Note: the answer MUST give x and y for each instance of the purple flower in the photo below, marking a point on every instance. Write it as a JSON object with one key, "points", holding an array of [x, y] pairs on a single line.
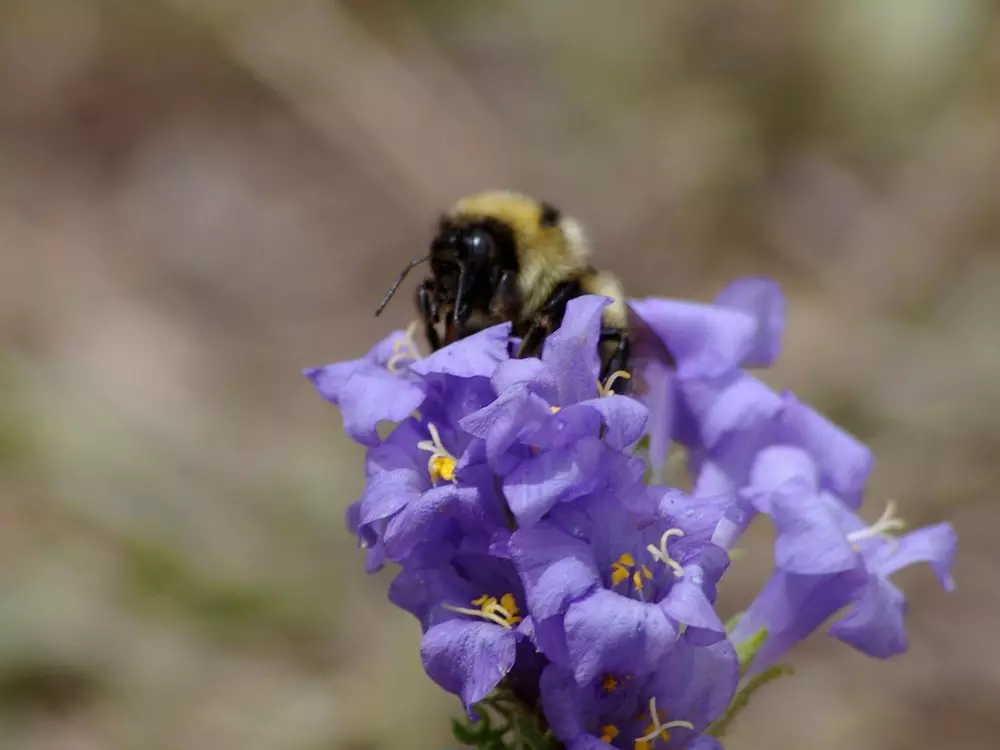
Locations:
{"points": [[730, 422], [827, 558], [392, 380], [670, 707], [475, 628], [609, 589], [418, 506], [708, 343], [554, 433]]}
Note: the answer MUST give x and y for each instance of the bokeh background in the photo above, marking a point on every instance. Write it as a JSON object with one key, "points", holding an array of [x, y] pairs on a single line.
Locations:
{"points": [[200, 197]]}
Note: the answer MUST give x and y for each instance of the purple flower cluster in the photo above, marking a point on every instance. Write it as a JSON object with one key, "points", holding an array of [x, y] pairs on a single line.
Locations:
{"points": [[513, 495]]}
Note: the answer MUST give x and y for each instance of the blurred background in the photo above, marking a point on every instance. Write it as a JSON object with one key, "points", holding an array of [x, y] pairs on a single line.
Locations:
{"points": [[198, 198]]}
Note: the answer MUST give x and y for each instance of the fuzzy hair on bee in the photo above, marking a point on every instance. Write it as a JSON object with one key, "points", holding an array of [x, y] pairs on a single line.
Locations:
{"points": [[501, 256]]}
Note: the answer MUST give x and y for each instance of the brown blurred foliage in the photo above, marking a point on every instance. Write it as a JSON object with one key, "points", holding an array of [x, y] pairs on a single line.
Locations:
{"points": [[200, 197]]}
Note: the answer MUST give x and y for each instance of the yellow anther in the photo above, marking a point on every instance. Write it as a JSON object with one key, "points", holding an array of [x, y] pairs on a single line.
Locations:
{"points": [[610, 683], [886, 523], [441, 464], [637, 579], [657, 730], [442, 467], [509, 604], [405, 349], [608, 733], [627, 559], [502, 613], [605, 389], [554, 409], [660, 553], [647, 572], [619, 573]]}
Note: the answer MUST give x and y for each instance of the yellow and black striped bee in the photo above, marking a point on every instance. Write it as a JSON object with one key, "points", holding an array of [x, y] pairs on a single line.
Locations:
{"points": [[502, 256]]}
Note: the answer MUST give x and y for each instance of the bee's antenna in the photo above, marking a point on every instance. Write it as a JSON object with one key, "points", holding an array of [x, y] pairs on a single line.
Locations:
{"points": [[395, 286]]}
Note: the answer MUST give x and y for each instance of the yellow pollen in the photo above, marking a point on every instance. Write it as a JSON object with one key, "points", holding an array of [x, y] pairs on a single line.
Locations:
{"points": [[441, 464], [624, 568], [619, 573], [610, 683], [605, 389], [502, 613], [608, 733], [554, 409], [442, 467]]}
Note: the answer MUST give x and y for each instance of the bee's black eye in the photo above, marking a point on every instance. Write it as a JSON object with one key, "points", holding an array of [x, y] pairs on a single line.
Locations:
{"points": [[478, 244]]}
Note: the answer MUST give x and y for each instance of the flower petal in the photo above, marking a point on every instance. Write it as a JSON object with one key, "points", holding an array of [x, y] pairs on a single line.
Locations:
{"points": [[606, 632], [809, 541], [563, 702], [781, 468], [555, 568], [687, 604], [791, 607], [706, 340], [874, 625], [530, 372], [468, 658], [515, 412], [935, 545], [624, 419], [562, 474], [476, 355], [393, 481], [472, 509], [367, 394], [571, 352], [762, 299], [697, 683], [843, 461]]}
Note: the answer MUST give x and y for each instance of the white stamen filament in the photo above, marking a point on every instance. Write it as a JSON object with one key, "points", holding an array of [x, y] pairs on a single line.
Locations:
{"points": [[492, 611], [488, 614], [660, 553], [404, 349], [886, 522], [605, 389], [658, 728]]}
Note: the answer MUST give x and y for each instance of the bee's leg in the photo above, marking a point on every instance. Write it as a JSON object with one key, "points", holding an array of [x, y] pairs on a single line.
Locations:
{"points": [[427, 306], [506, 302], [549, 318], [531, 342], [619, 359]]}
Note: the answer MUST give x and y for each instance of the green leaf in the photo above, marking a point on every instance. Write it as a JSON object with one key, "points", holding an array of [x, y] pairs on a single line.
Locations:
{"points": [[742, 698], [520, 728]]}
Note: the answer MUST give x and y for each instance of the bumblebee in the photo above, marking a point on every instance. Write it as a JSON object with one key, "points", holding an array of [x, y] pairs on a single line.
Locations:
{"points": [[501, 256]]}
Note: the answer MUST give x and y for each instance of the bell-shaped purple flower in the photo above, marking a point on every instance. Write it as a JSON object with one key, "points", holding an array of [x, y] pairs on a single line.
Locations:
{"points": [[418, 505], [476, 630], [827, 558], [609, 589], [707, 345], [392, 380], [554, 433], [668, 708]]}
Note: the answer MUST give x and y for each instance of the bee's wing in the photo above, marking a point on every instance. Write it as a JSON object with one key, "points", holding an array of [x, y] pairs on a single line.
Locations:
{"points": [[653, 368]]}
